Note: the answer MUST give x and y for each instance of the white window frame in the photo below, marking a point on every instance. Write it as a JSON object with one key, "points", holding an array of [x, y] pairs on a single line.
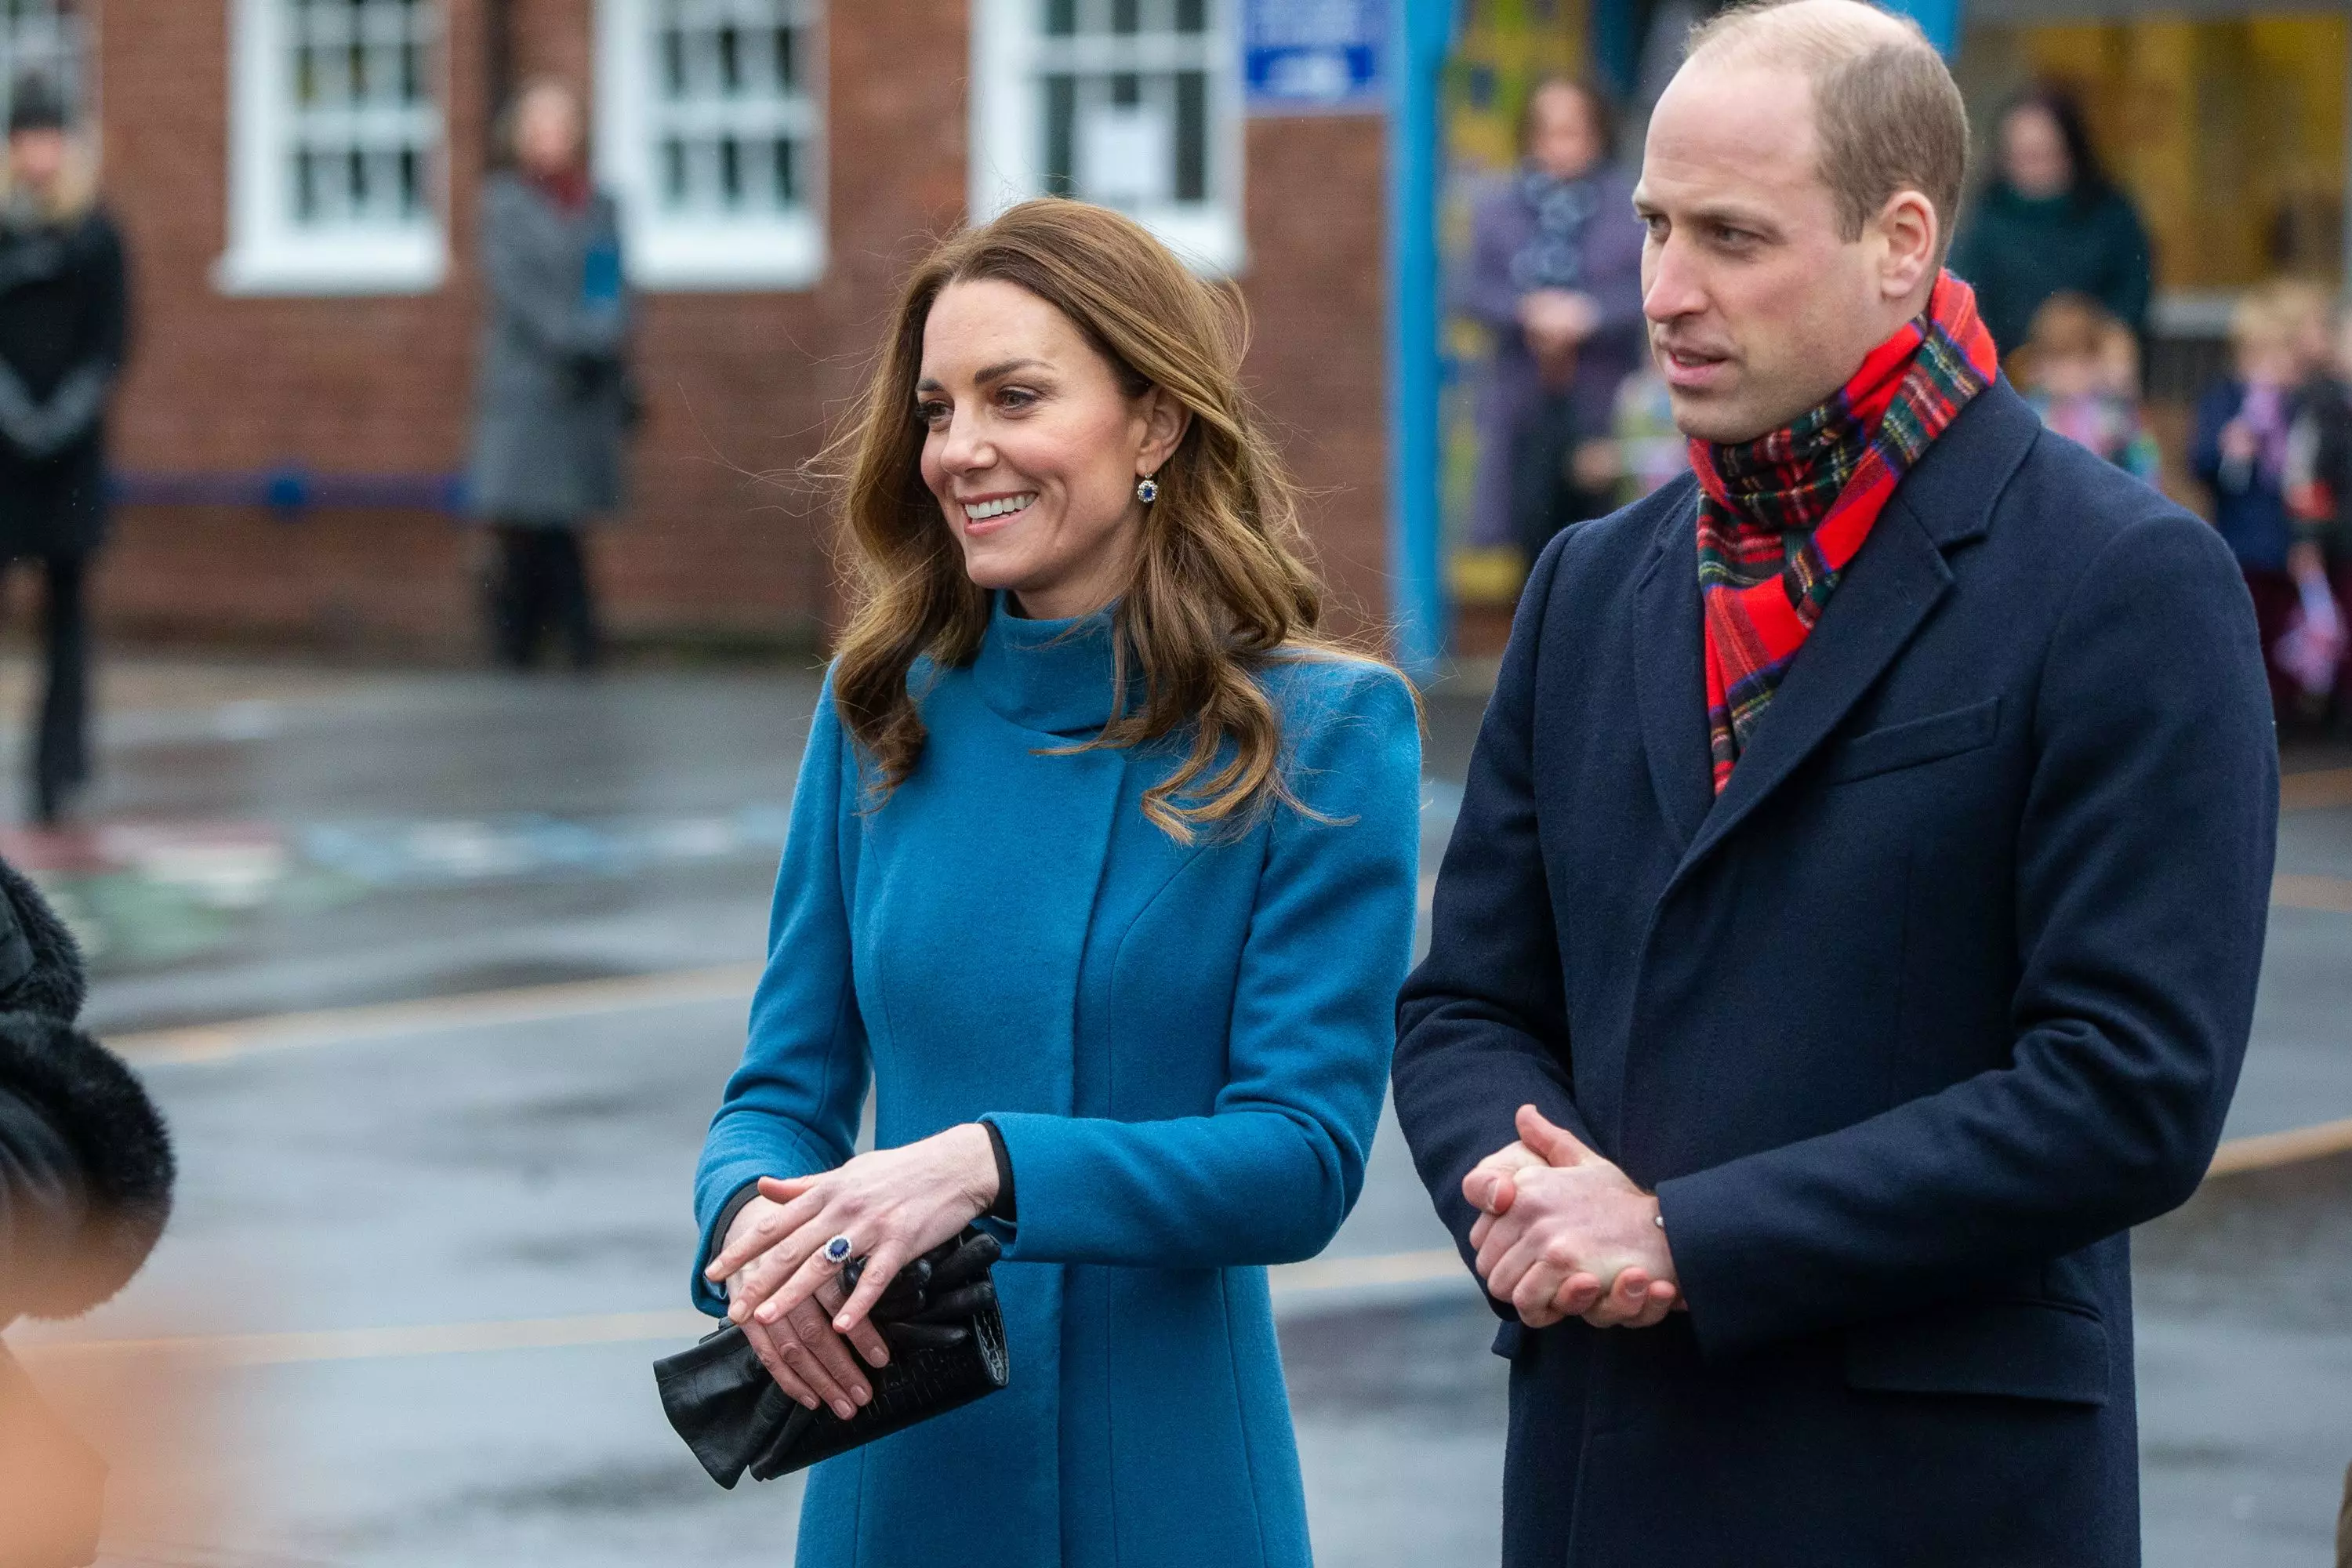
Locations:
{"points": [[1010, 51], [269, 253], [678, 252]]}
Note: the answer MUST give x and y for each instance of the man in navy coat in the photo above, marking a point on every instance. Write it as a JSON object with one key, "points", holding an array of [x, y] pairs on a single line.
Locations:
{"points": [[1853, 922]]}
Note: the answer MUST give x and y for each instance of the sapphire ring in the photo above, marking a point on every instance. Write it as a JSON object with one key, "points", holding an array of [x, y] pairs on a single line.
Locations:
{"points": [[837, 1251]]}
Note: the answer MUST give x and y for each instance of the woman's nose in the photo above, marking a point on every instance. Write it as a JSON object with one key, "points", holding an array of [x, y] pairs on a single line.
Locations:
{"points": [[966, 448]]}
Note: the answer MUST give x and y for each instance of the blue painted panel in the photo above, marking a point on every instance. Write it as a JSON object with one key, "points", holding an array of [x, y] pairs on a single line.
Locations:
{"points": [[1305, 56], [1940, 19], [1423, 32]]}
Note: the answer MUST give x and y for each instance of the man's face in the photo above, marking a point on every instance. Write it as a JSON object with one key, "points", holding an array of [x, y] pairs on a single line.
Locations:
{"points": [[1758, 308]]}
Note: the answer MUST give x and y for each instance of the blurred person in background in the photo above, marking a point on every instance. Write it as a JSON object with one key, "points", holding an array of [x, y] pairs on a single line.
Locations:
{"points": [[1643, 450], [554, 398], [2051, 221], [2239, 448], [2319, 481], [1554, 273], [64, 321], [85, 1187], [2079, 369]]}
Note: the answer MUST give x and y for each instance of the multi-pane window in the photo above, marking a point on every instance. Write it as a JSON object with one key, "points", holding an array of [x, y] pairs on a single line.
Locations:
{"points": [[42, 37], [336, 130], [1131, 103], [709, 127], [363, 124]]}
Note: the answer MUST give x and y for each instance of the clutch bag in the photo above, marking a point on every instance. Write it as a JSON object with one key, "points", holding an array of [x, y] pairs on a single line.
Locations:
{"points": [[946, 1336]]}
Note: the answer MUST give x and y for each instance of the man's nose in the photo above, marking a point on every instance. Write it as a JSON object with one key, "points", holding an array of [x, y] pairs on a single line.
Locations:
{"points": [[1671, 286]]}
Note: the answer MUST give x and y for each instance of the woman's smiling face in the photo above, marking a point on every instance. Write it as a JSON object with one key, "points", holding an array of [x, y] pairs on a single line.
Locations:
{"points": [[1032, 447]]}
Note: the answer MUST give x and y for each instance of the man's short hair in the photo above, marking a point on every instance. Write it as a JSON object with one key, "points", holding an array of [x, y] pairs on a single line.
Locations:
{"points": [[1887, 112]]}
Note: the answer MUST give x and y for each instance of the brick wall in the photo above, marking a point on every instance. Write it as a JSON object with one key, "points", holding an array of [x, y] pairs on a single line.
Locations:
{"points": [[720, 542]]}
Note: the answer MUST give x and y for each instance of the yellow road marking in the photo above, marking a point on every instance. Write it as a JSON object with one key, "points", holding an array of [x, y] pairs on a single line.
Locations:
{"points": [[381, 1344], [2315, 791], [519, 1004], [2295, 891], [614, 1328], [2270, 1149], [2265, 1152]]}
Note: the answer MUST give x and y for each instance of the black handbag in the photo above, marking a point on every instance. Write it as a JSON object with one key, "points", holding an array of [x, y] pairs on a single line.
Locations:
{"points": [[946, 1336]]}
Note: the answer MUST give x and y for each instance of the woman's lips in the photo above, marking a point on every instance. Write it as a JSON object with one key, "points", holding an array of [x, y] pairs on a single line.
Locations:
{"points": [[981, 527]]}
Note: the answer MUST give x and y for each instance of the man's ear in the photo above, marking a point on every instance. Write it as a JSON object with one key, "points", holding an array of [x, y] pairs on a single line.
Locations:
{"points": [[1912, 239], [1165, 420]]}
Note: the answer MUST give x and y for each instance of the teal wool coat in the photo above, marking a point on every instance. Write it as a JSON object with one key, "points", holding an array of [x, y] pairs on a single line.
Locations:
{"points": [[1183, 1046]]}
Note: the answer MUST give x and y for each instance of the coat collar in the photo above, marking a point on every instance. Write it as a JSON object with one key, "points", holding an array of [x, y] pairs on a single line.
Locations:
{"points": [[1054, 677], [1887, 594]]}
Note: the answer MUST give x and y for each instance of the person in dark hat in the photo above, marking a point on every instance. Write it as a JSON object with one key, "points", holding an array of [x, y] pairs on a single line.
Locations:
{"points": [[63, 329]]}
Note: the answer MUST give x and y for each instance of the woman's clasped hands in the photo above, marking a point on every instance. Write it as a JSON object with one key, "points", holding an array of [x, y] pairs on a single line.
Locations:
{"points": [[893, 1205]]}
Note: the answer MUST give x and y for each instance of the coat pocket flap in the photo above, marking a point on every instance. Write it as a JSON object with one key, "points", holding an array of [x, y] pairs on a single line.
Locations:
{"points": [[2022, 1350], [1916, 741]]}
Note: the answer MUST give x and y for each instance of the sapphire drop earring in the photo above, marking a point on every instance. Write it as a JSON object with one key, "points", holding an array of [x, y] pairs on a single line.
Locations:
{"points": [[1147, 490]]}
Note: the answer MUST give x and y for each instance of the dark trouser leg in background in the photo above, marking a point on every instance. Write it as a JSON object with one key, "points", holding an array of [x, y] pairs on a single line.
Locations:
{"points": [[571, 603], [61, 754], [516, 594]]}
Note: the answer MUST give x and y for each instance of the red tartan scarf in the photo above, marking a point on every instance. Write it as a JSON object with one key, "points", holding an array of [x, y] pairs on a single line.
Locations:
{"points": [[1780, 516]]}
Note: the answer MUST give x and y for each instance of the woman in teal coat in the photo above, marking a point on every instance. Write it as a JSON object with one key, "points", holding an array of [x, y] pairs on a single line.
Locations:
{"points": [[1102, 867]]}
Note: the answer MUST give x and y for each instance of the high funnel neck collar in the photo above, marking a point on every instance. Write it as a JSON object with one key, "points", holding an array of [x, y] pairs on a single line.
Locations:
{"points": [[1054, 677]]}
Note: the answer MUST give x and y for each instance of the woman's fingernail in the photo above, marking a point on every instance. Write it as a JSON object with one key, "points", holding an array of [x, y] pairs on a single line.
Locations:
{"points": [[843, 1408], [841, 1324], [877, 1356], [809, 1401], [863, 1394]]}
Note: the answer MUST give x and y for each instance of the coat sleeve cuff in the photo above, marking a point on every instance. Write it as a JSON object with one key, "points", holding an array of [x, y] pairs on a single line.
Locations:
{"points": [[709, 1297], [1006, 1207]]}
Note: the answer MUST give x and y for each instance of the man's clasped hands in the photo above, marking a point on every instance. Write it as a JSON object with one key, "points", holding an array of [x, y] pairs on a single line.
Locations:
{"points": [[1562, 1232]]}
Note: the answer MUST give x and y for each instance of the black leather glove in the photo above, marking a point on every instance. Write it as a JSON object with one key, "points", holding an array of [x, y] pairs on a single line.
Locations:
{"points": [[947, 1342]]}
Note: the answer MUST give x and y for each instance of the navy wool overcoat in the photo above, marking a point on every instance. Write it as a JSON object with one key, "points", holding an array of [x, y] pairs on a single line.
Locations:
{"points": [[1946, 991]]}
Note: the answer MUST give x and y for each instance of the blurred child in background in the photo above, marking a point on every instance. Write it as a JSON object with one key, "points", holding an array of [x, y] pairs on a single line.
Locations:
{"points": [[2319, 501], [2079, 370], [2243, 429]]}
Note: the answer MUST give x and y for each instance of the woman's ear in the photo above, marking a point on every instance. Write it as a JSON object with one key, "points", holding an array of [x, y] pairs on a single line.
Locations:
{"points": [[1165, 420]]}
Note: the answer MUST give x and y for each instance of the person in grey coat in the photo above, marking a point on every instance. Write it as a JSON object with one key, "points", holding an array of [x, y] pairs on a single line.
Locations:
{"points": [[1554, 272], [554, 401]]}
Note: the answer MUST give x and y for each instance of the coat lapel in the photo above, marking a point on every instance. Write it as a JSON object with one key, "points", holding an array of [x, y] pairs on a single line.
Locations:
{"points": [[1889, 590], [1671, 674]]}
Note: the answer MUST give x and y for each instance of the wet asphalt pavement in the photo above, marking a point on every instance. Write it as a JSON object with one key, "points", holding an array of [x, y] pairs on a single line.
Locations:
{"points": [[426, 1252]]}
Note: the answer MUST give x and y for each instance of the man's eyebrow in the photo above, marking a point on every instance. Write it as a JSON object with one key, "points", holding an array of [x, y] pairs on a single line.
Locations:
{"points": [[1730, 214]]}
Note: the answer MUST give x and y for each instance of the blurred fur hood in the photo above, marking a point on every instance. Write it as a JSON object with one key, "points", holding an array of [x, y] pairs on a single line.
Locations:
{"points": [[94, 1101]]}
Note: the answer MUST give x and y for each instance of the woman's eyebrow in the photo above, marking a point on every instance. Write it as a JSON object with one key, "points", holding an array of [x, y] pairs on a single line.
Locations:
{"points": [[985, 375]]}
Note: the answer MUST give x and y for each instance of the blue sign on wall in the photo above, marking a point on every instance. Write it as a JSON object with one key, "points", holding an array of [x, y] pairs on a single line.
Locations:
{"points": [[1311, 56]]}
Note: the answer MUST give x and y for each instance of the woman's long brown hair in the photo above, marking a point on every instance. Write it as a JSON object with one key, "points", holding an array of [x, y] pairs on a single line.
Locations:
{"points": [[1220, 581]]}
